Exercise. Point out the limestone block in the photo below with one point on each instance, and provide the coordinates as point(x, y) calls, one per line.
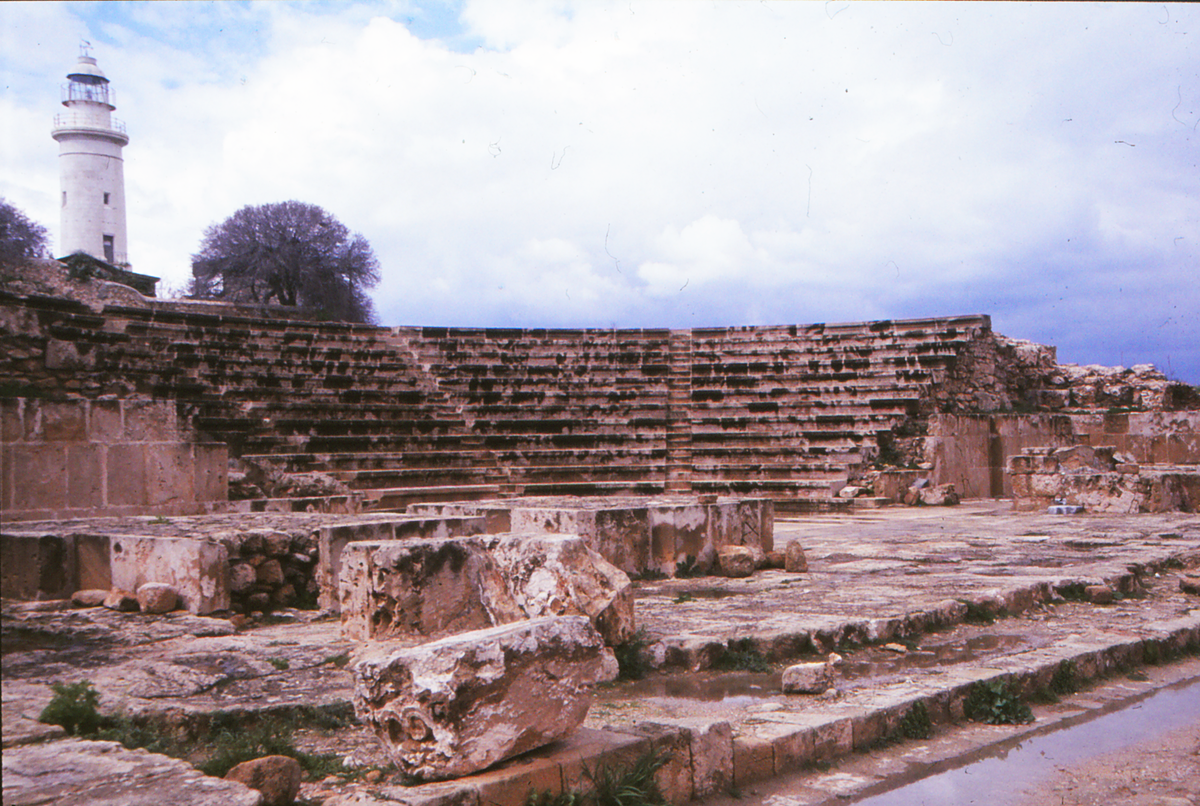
point(554, 575)
point(421, 587)
point(276, 777)
point(38, 476)
point(197, 569)
point(736, 561)
point(157, 598)
point(92, 558)
point(150, 421)
point(75, 772)
point(460, 704)
point(126, 475)
point(12, 425)
point(85, 476)
point(211, 462)
point(807, 678)
point(104, 422)
point(794, 559)
point(710, 745)
point(63, 422)
point(170, 473)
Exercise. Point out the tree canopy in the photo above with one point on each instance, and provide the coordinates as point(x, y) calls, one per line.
point(20, 238)
point(291, 253)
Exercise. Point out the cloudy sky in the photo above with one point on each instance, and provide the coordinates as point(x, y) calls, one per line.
point(668, 164)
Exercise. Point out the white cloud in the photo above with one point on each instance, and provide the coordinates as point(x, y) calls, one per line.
point(659, 164)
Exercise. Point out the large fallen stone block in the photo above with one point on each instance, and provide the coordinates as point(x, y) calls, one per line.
point(456, 706)
point(392, 589)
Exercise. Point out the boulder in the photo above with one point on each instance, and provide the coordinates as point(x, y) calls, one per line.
point(736, 561)
point(458, 705)
point(276, 777)
point(1099, 594)
point(270, 573)
point(939, 496)
point(807, 678)
point(1190, 583)
point(122, 600)
point(558, 575)
point(157, 598)
point(794, 559)
point(89, 598)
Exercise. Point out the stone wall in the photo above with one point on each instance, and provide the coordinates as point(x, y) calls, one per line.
point(972, 451)
point(81, 458)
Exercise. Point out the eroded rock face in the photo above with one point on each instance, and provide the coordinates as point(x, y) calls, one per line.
point(455, 706)
point(443, 586)
point(558, 575)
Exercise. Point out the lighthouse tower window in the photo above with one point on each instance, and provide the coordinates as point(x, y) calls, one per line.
point(106, 199)
point(108, 248)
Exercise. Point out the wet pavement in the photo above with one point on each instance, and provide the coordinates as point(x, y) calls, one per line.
point(918, 602)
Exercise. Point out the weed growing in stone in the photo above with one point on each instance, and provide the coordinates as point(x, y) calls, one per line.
point(742, 656)
point(631, 661)
point(339, 661)
point(995, 703)
point(74, 707)
point(615, 785)
point(916, 723)
point(687, 569)
point(279, 663)
point(977, 613)
point(684, 598)
point(1066, 679)
point(1151, 653)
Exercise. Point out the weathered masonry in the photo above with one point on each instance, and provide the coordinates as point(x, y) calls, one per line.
point(345, 418)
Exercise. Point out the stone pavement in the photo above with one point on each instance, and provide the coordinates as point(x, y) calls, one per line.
point(926, 580)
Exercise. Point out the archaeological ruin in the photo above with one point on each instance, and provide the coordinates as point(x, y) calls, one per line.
point(479, 566)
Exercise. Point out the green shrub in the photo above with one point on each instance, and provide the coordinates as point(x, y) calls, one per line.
point(1065, 680)
point(742, 656)
point(628, 786)
point(687, 569)
point(995, 703)
point(74, 706)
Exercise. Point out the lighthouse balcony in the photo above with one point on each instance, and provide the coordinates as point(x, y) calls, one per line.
point(77, 123)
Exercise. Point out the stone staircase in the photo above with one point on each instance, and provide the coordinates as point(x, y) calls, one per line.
point(408, 414)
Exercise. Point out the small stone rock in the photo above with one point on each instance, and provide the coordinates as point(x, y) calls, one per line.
point(257, 602)
point(284, 596)
point(242, 577)
point(1190, 583)
point(121, 600)
point(795, 561)
point(1098, 594)
point(276, 544)
point(807, 678)
point(89, 598)
point(239, 621)
point(157, 598)
point(270, 573)
point(610, 668)
point(373, 776)
point(776, 559)
point(899, 649)
point(849, 491)
point(736, 561)
point(276, 777)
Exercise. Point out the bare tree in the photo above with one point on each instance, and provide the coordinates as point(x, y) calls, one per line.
point(291, 253)
point(20, 238)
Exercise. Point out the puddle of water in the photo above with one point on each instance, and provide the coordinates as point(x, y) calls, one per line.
point(1003, 775)
point(881, 663)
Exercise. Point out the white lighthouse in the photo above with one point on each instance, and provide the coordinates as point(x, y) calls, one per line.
point(91, 170)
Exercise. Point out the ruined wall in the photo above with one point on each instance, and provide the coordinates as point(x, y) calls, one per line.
point(81, 458)
point(972, 451)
